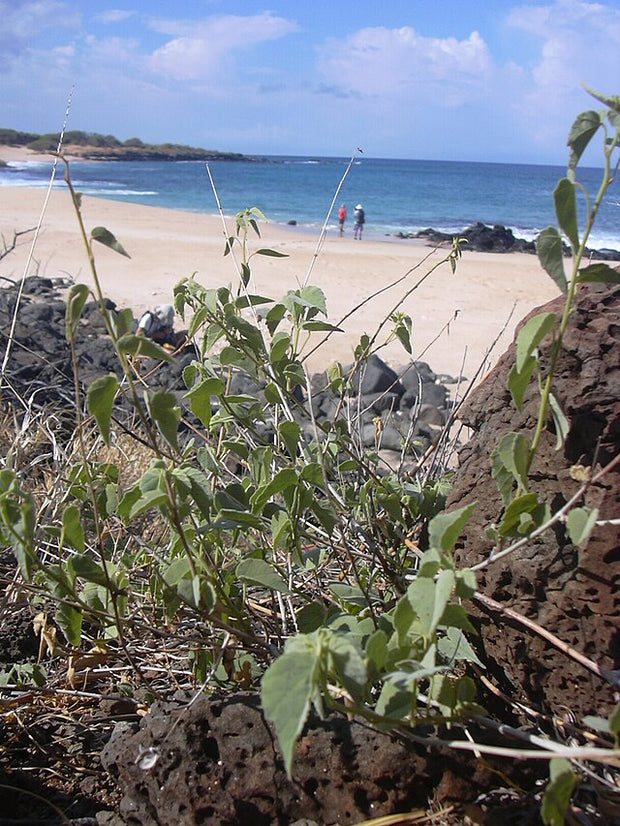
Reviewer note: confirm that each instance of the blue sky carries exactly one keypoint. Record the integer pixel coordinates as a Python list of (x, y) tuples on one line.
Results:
[(491, 80)]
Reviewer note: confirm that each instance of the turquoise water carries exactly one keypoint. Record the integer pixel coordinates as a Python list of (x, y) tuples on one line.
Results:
[(397, 195)]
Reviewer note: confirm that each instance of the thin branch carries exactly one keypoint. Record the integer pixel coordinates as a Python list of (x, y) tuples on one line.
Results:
[(48, 193), (321, 240), (6, 249), (378, 292), (549, 752), (557, 517)]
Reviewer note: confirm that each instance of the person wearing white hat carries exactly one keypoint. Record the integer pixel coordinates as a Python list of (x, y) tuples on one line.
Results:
[(360, 220)]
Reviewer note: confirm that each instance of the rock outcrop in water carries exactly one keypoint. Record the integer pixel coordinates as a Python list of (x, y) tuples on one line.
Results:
[(480, 237)]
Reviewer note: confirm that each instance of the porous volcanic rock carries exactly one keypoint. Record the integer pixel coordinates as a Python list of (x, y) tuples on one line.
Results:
[(216, 763), (40, 368), (482, 238), (570, 591)]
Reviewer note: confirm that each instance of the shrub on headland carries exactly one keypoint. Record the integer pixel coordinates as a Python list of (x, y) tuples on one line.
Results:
[(92, 145), (11, 137)]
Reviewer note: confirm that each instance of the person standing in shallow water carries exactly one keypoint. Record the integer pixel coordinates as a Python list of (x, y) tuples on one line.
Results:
[(342, 217), (360, 220)]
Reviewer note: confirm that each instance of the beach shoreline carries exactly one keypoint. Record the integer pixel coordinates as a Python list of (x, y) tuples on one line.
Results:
[(456, 318)]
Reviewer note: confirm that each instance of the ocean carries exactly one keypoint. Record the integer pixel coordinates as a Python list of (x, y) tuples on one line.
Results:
[(399, 196)]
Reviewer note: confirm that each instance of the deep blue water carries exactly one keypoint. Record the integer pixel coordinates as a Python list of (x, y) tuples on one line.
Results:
[(397, 195)]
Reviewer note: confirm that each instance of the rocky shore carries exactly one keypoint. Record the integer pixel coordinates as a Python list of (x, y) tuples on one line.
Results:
[(480, 237), (402, 411), (88, 146)]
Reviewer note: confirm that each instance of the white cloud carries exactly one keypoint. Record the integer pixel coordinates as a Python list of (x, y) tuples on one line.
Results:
[(390, 62), (392, 90), (120, 53), (114, 16), (23, 19), (562, 13), (201, 48), (449, 86), (580, 44)]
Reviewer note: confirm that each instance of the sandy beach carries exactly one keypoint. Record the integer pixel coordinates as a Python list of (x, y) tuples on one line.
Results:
[(456, 317)]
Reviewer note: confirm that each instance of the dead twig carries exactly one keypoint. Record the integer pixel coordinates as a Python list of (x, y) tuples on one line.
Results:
[(6, 248), (612, 677)]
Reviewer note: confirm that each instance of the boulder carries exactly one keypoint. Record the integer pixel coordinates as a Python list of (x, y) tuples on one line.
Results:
[(482, 238), (498, 238), (217, 762), (569, 590), (415, 372), (422, 386), (380, 402), (376, 377), (41, 361)]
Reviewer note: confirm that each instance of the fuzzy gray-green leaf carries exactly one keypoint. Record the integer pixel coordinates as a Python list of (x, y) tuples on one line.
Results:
[(556, 799), (598, 273), (271, 253), (560, 421), (519, 380), (531, 334), (519, 508), (612, 101), (108, 239), (509, 461), (200, 397), (100, 402), (287, 689), (584, 127), (76, 299), (142, 346), (429, 598), (72, 529), (580, 522), (566, 210), (69, 620), (87, 569), (165, 411), (259, 572), (550, 255), (446, 528)]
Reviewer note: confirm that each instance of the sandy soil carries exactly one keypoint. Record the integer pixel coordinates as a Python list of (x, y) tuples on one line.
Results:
[(456, 317)]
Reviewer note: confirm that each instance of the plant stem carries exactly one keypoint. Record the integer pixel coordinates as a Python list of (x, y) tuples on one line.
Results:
[(578, 255)]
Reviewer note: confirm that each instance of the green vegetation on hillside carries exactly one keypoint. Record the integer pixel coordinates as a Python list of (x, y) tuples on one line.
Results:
[(93, 145), (11, 137)]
